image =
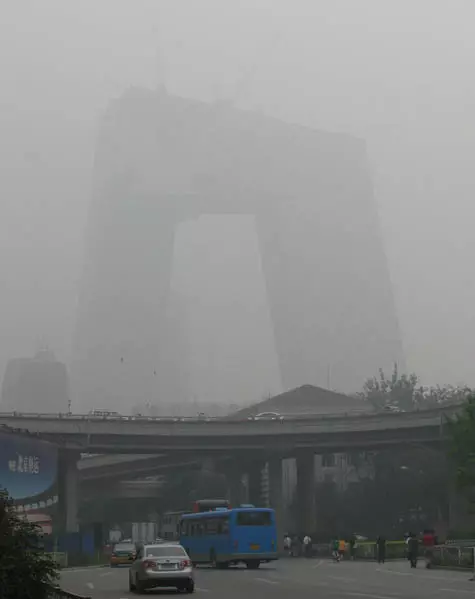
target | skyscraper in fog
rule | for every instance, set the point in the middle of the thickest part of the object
(161, 159)
(39, 384)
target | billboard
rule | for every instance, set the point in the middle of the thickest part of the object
(29, 472)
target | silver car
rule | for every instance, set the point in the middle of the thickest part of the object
(161, 565)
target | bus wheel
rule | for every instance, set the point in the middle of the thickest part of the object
(222, 565)
(253, 564)
(212, 558)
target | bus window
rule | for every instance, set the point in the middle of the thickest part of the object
(254, 519)
(223, 526)
(217, 526)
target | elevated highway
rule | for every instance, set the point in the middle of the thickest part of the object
(130, 466)
(145, 435)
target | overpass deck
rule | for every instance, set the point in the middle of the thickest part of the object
(151, 436)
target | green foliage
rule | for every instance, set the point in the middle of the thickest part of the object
(25, 571)
(462, 449)
(396, 390)
(403, 391)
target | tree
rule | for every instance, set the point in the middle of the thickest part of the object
(25, 571)
(397, 390)
(440, 396)
(404, 392)
(462, 450)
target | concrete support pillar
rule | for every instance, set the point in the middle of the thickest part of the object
(69, 491)
(254, 484)
(276, 497)
(306, 516)
(235, 489)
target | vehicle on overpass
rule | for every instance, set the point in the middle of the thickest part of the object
(161, 565)
(267, 416)
(226, 537)
(103, 413)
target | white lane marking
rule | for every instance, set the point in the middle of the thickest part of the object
(266, 580)
(454, 591)
(107, 574)
(200, 590)
(368, 596)
(77, 570)
(394, 572)
(318, 564)
(344, 578)
(425, 576)
(90, 585)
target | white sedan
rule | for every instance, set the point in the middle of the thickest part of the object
(266, 416)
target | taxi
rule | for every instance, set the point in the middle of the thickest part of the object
(123, 554)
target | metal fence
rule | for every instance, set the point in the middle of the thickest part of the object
(365, 550)
(453, 556)
(60, 558)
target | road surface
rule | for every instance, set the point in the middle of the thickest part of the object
(290, 578)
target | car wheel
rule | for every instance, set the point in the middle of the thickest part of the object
(131, 585)
(139, 586)
(190, 588)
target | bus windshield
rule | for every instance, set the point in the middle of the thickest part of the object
(258, 518)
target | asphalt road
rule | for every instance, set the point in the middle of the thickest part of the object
(289, 578)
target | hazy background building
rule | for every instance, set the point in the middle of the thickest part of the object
(39, 385)
(161, 160)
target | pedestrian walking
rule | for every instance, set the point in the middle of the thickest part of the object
(352, 544)
(288, 545)
(381, 549)
(307, 545)
(413, 553)
(429, 541)
(335, 547)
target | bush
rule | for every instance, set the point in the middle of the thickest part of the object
(26, 572)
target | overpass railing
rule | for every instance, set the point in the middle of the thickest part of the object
(357, 414)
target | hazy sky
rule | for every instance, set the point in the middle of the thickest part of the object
(397, 73)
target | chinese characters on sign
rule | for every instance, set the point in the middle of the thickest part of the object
(25, 464)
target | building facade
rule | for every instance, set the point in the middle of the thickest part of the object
(162, 159)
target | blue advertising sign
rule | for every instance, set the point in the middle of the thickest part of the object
(28, 467)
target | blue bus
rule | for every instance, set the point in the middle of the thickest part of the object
(230, 536)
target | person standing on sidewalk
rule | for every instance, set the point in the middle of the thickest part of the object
(352, 544)
(307, 545)
(413, 550)
(381, 549)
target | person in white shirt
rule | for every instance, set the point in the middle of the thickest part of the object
(307, 545)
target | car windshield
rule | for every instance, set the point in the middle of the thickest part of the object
(125, 547)
(161, 551)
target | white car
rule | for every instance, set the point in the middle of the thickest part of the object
(266, 416)
(392, 409)
(161, 565)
